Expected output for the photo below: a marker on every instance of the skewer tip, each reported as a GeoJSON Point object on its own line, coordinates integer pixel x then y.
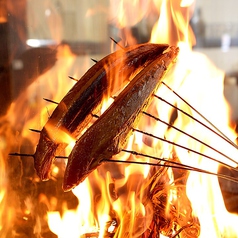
{"type": "Point", "coordinates": [35, 130]}
{"type": "Point", "coordinates": [49, 100]}
{"type": "Point", "coordinates": [117, 43]}
{"type": "Point", "coordinates": [95, 61]}
{"type": "Point", "coordinates": [73, 78]}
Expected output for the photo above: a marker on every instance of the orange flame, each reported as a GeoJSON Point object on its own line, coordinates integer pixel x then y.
{"type": "Point", "coordinates": [193, 78]}
{"type": "Point", "coordinates": [173, 23]}
{"type": "Point", "coordinates": [120, 198]}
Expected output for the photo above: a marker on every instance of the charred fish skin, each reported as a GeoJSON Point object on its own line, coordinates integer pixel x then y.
{"type": "Point", "coordinates": [107, 136]}
{"type": "Point", "coordinates": [87, 94]}
{"type": "Point", "coordinates": [75, 110]}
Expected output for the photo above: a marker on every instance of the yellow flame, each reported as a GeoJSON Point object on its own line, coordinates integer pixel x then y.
{"type": "Point", "coordinates": [173, 23]}
{"type": "Point", "coordinates": [202, 86]}
{"type": "Point", "coordinates": [122, 188]}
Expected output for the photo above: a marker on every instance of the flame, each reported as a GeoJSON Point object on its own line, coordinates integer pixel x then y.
{"type": "Point", "coordinates": [212, 216]}
{"type": "Point", "coordinates": [200, 83]}
{"type": "Point", "coordinates": [126, 200]}
{"type": "Point", "coordinates": [74, 223]}
{"type": "Point", "coordinates": [123, 188]}
{"type": "Point", "coordinates": [200, 76]}
{"type": "Point", "coordinates": [127, 13]}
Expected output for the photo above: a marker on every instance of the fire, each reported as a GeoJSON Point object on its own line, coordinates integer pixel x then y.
{"type": "Point", "coordinates": [140, 200]}
{"type": "Point", "coordinates": [196, 88]}
{"type": "Point", "coordinates": [201, 85]}
{"type": "Point", "coordinates": [173, 24]}
{"type": "Point", "coordinates": [74, 223]}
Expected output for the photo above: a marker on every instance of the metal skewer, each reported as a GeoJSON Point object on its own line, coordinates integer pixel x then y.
{"type": "Point", "coordinates": [196, 139]}
{"type": "Point", "coordinates": [187, 114]}
{"type": "Point", "coordinates": [185, 167]}
{"type": "Point", "coordinates": [169, 164]}
{"type": "Point", "coordinates": [117, 43]}
{"type": "Point", "coordinates": [73, 78]}
{"type": "Point", "coordinates": [186, 148]}
{"type": "Point", "coordinates": [200, 114]}
{"type": "Point", "coordinates": [49, 100]}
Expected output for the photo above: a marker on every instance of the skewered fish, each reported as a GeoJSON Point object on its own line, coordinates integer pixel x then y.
{"type": "Point", "coordinates": [107, 136]}
{"type": "Point", "coordinates": [76, 109]}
